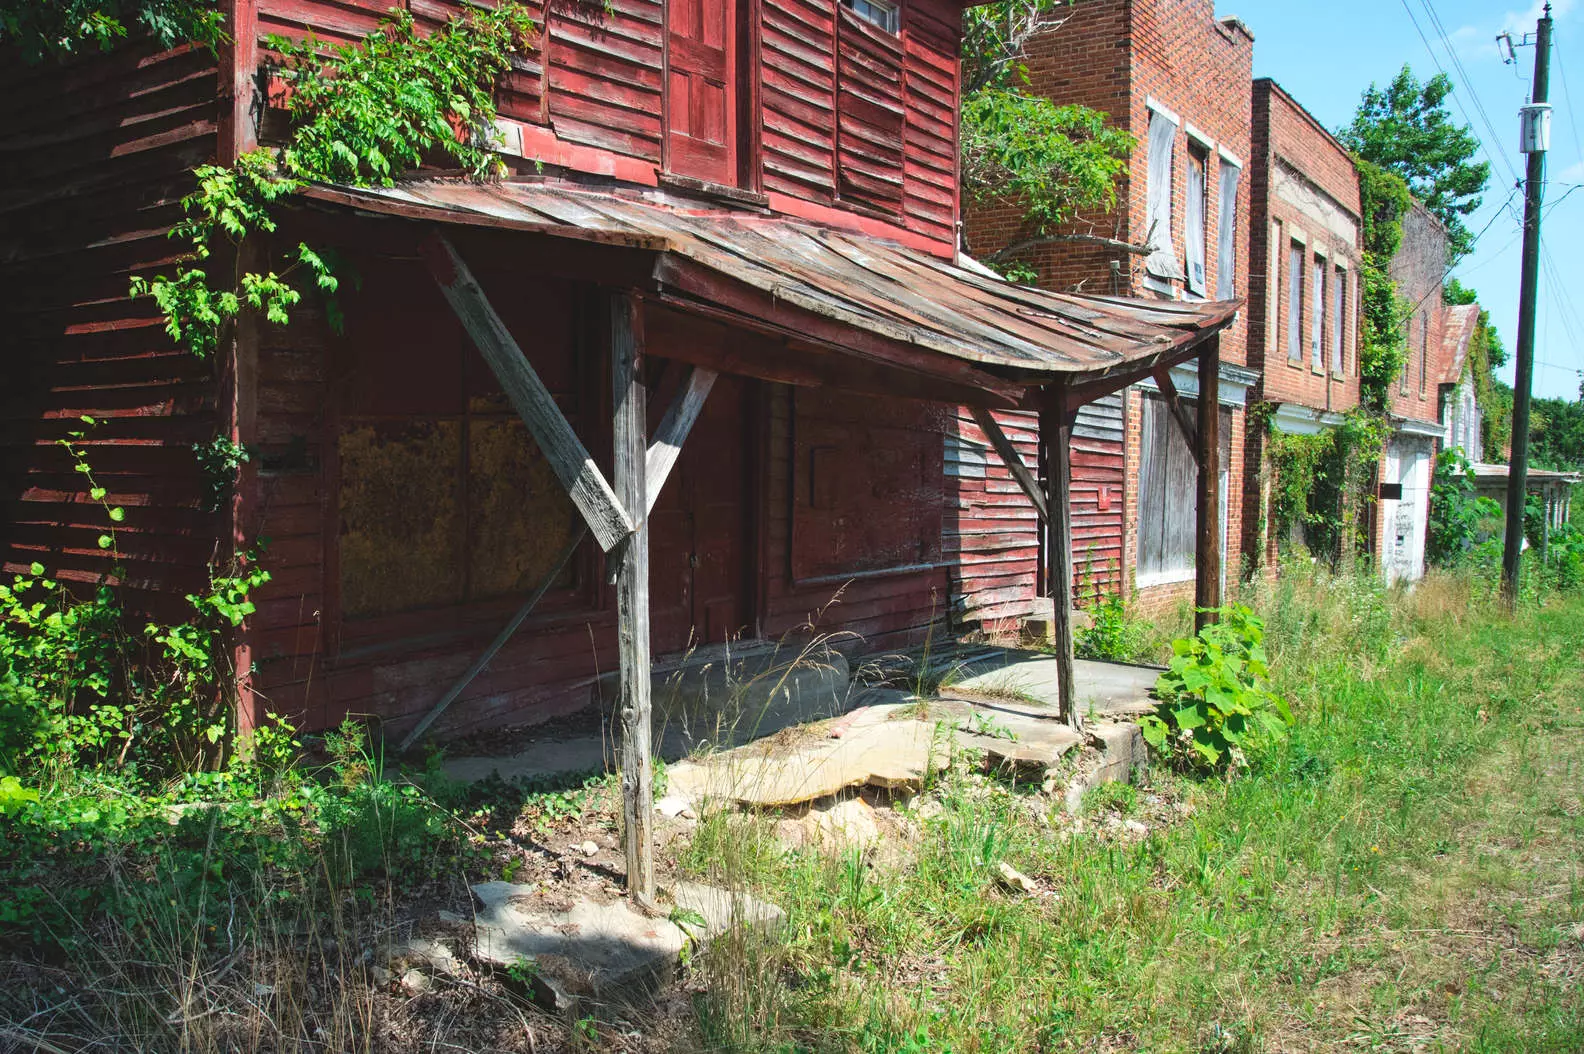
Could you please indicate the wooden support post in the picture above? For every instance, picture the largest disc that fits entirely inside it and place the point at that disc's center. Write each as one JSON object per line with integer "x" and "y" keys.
{"x": 1056, "y": 428}
{"x": 607, "y": 518}
{"x": 1009, "y": 457}
{"x": 632, "y": 596}
{"x": 1207, "y": 555}
{"x": 1179, "y": 412}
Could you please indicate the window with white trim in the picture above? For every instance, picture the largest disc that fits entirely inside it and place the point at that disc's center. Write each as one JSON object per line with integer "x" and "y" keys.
{"x": 1317, "y": 328}
{"x": 1295, "y": 297}
{"x": 1339, "y": 296}
{"x": 1162, "y": 260}
{"x": 877, "y": 13}
{"x": 1226, "y": 231}
{"x": 1194, "y": 216}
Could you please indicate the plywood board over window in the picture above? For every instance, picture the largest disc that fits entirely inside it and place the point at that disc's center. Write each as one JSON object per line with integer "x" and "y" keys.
{"x": 869, "y": 485}
{"x": 1168, "y": 494}
{"x": 443, "y": 496}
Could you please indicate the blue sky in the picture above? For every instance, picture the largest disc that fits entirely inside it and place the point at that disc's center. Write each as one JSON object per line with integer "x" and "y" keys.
{"x": 1327, "y": 54}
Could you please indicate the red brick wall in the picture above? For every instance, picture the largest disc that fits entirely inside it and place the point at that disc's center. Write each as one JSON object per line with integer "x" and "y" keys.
{"x": 1419, "y": 269}
{"x": 1292, "y": 150}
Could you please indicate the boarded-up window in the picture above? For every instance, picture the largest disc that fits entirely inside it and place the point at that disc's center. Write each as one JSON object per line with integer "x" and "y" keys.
{"x": 1424, "y": 351}
{"x": 1168, "y": 494}
{"x": 1338, "y": 321}
{"x": 869, "y": 112}
{"x": 1194, "y": 217}
{"x": 1162, "y": 261}
{"x": 869, "y": 483}
{"x": 1295, "y": 269}
{"x": 443, "y": 497}
{"x": 1226, "y": 232}
{"x": 1317, "y": 328}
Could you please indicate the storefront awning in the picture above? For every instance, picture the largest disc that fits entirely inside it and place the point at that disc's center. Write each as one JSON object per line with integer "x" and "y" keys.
{"x": 873, "y": 298}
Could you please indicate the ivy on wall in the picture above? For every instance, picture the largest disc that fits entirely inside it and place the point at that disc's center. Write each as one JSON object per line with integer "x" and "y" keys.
{"x": 1384, "y": 349}
{"x": 1320, "y": 483}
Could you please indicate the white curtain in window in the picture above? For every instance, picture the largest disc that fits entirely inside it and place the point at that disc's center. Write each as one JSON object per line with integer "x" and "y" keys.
{"x": 1194, "y": 221}
{"x": 1162, "y": 262}
{"x": 1226, "y": 232}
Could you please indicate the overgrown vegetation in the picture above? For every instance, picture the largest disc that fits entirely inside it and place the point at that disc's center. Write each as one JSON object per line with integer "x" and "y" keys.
{"x": 1399, "y": 874}
{"x": 1216, "y": 707}
{"x": 1320, "y": 483}
{"x": 1018, "y": 148}
{"x": 60, "y": 28}
{"x": 1464, "y": 527}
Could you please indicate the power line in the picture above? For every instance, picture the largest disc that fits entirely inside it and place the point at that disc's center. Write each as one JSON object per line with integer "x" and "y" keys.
{"x": 1567, "y": 97}
{"x": 1467, "y": 82}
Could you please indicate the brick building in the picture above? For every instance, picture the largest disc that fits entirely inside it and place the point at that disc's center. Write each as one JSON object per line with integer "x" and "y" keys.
{"x": 1177, "y": 77}
{"x": 1419, "y": 269}
{"x": 1305, "y": 251}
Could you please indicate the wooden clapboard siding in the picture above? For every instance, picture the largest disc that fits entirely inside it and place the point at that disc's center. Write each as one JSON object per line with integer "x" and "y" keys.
{"x": 94, "y": 156}
{"x": 929, "y": 187}
{"x": 1098, "y": 479}
{"x": 798, "y": 77}
{"x": 995, "y": 531}
{"x": 605, "y": 75}
{"x": 869, "y": 113}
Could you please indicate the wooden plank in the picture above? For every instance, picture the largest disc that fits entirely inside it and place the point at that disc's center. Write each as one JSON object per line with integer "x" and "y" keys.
{"x": 666, "y": 446}
{"x": 1207, "y": 557}
{"x": 1010, "y": 458}
{"x": 1056, "y": 424}
{"x": 632, "y": 599}
{"x": 1179, "y": 412}
{"x": 607, "y": 517}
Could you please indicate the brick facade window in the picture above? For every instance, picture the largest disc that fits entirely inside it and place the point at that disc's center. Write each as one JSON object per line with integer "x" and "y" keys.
{"x": 1226, "y": 232}
{"x": 1194, "y": 216}
{"x": 1339, "y": 307}
{"x": 1162, "y": 262}
{"x": 1424, "y": 351}
{"x": 1317, "y": 327}
{"x": 1295, "y": 297}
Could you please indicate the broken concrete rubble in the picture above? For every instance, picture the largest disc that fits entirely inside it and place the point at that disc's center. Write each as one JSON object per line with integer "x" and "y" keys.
{"x": 584, "y": 949}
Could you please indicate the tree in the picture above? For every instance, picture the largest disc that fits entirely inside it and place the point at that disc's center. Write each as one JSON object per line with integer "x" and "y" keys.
{"x": 1406, "y": 128}
{"x": 1556, "y": 437}
{"x": 61, "y": 28}
{"x": 1052, "y": 161}
{"x": 1385, "y": 199}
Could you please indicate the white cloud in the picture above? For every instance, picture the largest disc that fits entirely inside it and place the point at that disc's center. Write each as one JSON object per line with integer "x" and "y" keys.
{"x": 1574, "y": 173}
{"x": 1478, "y": 42}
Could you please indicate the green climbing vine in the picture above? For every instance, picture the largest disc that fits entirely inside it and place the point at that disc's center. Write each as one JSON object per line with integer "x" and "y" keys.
{"x": 75, "y": 684}
{"x": 1384, "y": 349}
{"x": 1320, "y": 482}
{"x": 361, "y": 114}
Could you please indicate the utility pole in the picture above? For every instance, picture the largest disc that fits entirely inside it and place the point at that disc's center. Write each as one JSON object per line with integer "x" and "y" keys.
{"x": 1536, "y": 132}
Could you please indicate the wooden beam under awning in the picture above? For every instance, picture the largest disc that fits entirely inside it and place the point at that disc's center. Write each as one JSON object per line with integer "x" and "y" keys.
{"x": 1207, "y": 554}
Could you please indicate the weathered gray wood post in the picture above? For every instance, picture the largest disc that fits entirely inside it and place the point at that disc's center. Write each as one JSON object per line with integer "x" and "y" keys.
{"x": 1056, "y": 429}
{"x": 630, "y": 410}
{"x": 1207, "y": 555}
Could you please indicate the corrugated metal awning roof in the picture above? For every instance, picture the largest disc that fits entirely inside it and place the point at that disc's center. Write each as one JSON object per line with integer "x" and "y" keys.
{"x": 878, "y": 287}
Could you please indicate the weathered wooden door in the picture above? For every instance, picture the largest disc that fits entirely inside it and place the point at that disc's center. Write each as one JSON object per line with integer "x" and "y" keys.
{"x": 699, "y": 532}
{"x": 700, "y": 103}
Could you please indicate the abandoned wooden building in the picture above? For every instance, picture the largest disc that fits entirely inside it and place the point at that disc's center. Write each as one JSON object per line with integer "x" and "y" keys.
{"x": 709, "y": 337}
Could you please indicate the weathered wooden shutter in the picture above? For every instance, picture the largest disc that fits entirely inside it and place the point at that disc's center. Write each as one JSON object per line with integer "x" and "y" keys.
{"x": 869, "y": 113}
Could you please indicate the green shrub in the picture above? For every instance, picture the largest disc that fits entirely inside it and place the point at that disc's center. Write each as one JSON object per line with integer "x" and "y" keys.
{"x": 1113, "y": 635}
{"x": 1215, "y": 699}
{"x": 1461, "y": 522}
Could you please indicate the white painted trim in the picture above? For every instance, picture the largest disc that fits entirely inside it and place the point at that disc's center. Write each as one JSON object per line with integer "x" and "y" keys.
{"x": 1235, "y": 382}
{"x": 1163, "y": 578}
{"x": 1294, "y": 419}
{"x": 1229, "y": 157}
{"x": 1159, "y": 107}
{"x": 1294, "y": 234}
{"x": 1409, "y": 426}
{"x": 1199, "y": 137}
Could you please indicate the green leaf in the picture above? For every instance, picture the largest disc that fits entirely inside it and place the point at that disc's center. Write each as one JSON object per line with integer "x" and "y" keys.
{"x": 117, "y": 514}
{"x": 105, "y": 541}
{"x": 97, "y": 493}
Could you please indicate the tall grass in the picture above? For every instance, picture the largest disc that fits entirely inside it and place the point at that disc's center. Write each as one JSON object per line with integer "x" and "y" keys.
{"x": 1404, "y": 873}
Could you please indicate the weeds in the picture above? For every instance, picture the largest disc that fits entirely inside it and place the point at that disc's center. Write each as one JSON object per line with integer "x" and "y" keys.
{"x": 1400, "y": 874}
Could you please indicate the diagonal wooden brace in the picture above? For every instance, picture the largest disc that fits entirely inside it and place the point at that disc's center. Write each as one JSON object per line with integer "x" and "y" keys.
{"x": 1179, "y": 412}
{"x": 1009, "y": 457}
{"x": 609, "y": 522}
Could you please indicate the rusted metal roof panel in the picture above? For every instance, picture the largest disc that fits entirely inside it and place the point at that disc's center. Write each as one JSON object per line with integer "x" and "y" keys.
{"x": 872, "y": 285}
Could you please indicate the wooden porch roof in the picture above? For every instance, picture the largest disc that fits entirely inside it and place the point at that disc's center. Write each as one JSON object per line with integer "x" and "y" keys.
{"x": 836, "y": 287}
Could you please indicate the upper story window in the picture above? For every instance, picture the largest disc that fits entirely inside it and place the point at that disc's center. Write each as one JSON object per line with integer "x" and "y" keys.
{"x": 1226, "y": 231}
{"x": 1317, "y": 334}
{"x": 1339, "y": 314}
{"x": 1194, "y": 227}
{"x": 1424, "y": 352}
{"x": 1295, "y": 299}
{"x": 877, "y": 12}
{"x": 1162, "y": 261}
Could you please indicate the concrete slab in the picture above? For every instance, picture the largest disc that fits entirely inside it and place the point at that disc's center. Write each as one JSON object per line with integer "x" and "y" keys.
{"x": 586, "y": 949}
{"x": 1032, "y": 677}
{"x": 721, "y": 696}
